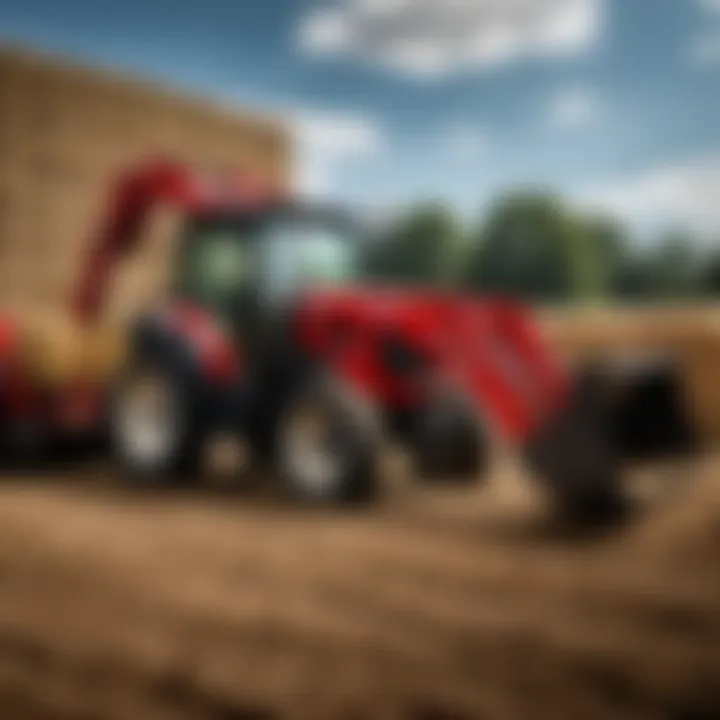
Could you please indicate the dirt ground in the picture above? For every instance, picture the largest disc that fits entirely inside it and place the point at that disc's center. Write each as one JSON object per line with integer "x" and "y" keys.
{"x": 437, "y": 604}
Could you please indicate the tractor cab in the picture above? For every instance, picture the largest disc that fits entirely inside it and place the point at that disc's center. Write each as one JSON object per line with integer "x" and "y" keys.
{"x": 244, "y": 266}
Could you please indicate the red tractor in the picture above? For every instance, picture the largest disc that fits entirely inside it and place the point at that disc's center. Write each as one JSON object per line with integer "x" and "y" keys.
{"x": 274, "y": 332}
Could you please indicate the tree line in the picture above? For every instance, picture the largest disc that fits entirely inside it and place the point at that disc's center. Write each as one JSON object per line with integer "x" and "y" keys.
{"x": 537, "y": 247}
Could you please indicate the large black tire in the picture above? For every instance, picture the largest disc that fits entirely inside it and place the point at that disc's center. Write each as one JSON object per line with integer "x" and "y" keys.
{"x": 341, "y": 461}
{"x": 577, "y": 460}
{"x": 450, "y": 444}
{"x": 175, "y": 458}
{"x": 23, "y": 441}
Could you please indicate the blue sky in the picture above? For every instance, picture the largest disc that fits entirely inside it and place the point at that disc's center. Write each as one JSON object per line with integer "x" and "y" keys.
{"x": 614, "y": 102}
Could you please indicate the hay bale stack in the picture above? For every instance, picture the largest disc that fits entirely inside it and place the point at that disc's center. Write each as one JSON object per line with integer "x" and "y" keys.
{"x": 65, "y": 131}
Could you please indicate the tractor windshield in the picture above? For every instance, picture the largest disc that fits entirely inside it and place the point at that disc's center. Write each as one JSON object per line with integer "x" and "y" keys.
{"x": 230, "y": 262}
{"x": 218, "y": 264}
{"x": 303, "y": 253}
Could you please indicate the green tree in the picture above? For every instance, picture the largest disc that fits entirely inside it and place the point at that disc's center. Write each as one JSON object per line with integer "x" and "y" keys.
{"x": 710, "y": 279}
{"x": 532, "y": 246}
{"x": 421, "y": 247}
{"x": 634, "y": 281}
{"x": 673, "y": 267}
{"x": 612, "y": 253}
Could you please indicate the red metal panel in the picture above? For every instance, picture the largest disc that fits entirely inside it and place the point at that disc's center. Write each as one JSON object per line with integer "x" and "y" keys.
{"x": 489, "y": 350}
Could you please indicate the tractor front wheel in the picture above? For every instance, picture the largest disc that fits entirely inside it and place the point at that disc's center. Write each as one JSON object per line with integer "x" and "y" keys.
{"x": 327, "y": 446}
{"x": 154, "y": 433}
{"x": 451, "y": 446}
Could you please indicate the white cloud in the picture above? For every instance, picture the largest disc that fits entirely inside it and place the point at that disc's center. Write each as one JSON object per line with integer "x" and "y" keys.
{"x": 572, "y": 108}
{"x": 333, "y": 133}
{"x": 680, "y": 194}
{"x": 705, "y": 50}
{"x": 435, "y": 38}
{"x": 327, "y": 142}
{"x": 710, "y": 5}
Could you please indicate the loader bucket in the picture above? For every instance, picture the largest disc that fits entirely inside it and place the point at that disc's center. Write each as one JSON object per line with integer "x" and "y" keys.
{"x": 650, "y": 418}
{"x": 614, "y": 414}
{"x": 574, "y": 457}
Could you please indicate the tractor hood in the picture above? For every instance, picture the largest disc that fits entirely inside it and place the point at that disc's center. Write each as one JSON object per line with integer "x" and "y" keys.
{"x": 397, "y": 343}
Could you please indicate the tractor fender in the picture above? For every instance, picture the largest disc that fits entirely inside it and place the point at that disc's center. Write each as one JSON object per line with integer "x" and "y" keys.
{"x": 200, "y": 358}
{"x": 200, "y": 339}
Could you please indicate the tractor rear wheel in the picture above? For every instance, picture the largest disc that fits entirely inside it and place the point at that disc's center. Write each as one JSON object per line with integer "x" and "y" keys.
{"x": 327, "y": 446}
{"x": 450, "y": 443}
{"x": 154, "y": 432}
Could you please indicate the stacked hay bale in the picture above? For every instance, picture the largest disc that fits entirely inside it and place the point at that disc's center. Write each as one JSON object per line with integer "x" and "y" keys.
{"x": 65, "y": 132}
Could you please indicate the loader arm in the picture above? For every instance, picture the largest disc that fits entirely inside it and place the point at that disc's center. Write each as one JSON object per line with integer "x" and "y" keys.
{"x": 130, "y": 203}
{"x": 131, "y": 200}
{"x": 514, "y": 376}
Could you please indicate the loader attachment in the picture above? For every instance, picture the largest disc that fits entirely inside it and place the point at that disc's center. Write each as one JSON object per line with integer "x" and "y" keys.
{"x": 574, "y": 457}
{"x": 649, "y": 417}
{"x": 615, "y": 414}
